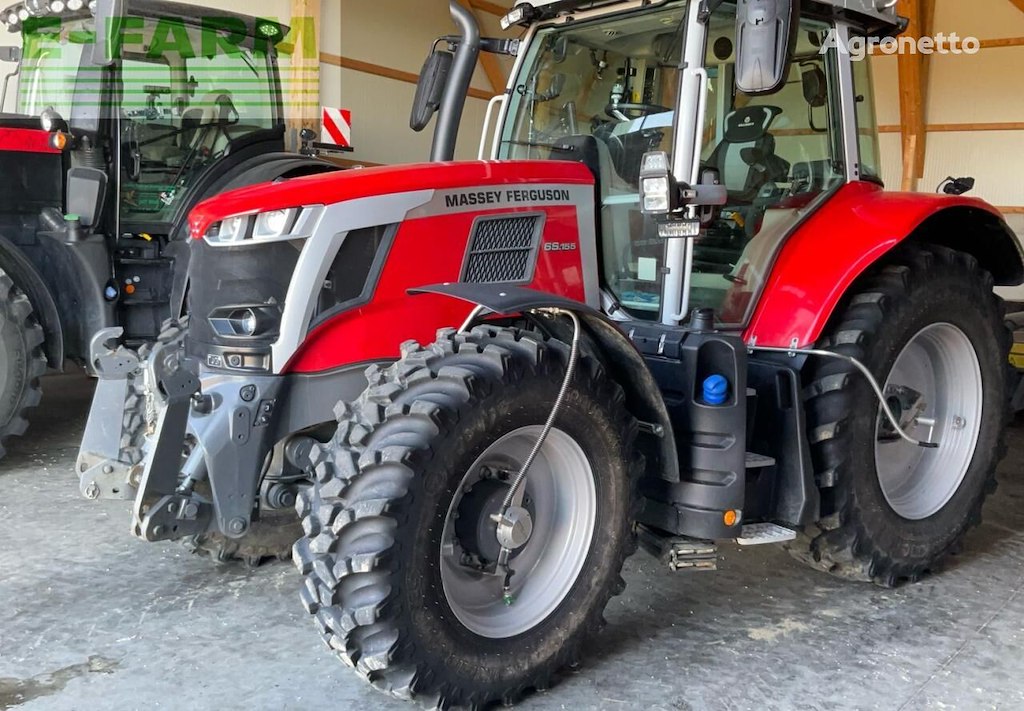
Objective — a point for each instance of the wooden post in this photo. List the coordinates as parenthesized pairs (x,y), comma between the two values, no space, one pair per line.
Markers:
(302,93)
(911,99)
(927,30)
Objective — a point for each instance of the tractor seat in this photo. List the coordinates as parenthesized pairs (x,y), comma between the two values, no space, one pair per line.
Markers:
(746,157)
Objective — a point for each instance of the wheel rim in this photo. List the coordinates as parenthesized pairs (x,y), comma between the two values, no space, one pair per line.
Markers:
(563,495)
(935,390)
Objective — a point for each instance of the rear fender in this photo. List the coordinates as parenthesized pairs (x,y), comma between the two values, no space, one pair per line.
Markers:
(607,343)
(25,276)
(853,230)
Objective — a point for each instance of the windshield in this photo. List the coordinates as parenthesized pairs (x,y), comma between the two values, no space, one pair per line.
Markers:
(186,97)
(52,55)
(608,87)
(605,92)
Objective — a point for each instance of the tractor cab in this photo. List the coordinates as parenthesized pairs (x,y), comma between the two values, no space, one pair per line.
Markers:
(118,117)
(167,95)
(609,88)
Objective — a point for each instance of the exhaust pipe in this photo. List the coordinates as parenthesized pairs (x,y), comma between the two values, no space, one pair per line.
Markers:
(454,101)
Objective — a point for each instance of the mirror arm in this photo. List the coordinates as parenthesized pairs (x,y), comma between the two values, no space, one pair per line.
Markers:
(7,79)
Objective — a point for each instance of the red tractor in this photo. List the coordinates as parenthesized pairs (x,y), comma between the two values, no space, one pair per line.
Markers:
(676,307)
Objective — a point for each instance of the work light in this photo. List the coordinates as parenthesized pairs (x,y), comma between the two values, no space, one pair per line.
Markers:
(658,193)
(519,15)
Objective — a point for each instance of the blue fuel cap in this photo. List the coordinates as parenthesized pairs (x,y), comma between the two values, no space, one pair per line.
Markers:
(716,389)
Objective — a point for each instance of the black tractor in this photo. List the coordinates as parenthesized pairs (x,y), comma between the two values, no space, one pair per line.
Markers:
(118,117)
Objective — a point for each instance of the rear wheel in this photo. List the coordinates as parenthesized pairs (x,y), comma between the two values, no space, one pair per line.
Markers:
(400,549)
(929,327)
(22,361)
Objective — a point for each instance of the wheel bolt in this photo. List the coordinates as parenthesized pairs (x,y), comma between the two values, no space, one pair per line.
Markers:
(959,423)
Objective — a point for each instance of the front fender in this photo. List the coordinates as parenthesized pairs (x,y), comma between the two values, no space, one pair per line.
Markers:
(615,351)
(853,230)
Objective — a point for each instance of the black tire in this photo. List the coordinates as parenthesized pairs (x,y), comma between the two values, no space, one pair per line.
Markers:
(373,520)
(270,537)
(22,361)
(860,536)
(135,421)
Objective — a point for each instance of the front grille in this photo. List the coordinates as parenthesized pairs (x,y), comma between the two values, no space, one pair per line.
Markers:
(502,249)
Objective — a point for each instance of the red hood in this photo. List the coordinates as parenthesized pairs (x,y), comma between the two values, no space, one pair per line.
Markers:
(26,140)
(330,188)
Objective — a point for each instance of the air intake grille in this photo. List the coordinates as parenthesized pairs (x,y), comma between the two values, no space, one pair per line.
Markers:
(502,249)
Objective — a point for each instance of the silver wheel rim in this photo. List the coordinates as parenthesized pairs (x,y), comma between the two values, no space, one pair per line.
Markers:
(940,368)
(561,486)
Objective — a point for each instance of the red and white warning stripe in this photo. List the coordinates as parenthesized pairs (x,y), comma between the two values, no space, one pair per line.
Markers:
(336,127)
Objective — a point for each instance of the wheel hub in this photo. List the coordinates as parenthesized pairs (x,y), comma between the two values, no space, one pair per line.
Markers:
(550,532)
(477,529)
(936,392)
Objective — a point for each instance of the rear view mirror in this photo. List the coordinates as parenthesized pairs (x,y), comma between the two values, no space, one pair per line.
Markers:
(430,89)
(815,87)
(10,54)
(764,43)
(86,191)
(109,14)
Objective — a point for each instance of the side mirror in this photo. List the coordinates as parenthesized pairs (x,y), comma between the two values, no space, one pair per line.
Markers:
(764,44)
(87,189)
(10,54)
(815,87)
(109,14)
(430,89)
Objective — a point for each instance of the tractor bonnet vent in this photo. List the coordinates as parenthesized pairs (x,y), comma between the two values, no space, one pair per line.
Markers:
(502,249)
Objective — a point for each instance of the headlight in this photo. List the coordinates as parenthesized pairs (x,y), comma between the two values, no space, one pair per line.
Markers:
(274,223)
(233,229)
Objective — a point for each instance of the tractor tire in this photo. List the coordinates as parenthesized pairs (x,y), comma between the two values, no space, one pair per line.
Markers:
(137,417)
(22,361)
(270,537)
(397,539)
(928,326)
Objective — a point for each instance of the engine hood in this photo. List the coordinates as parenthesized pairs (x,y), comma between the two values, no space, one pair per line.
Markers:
(331,188)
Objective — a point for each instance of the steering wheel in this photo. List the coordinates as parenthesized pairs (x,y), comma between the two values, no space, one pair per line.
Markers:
(622,111)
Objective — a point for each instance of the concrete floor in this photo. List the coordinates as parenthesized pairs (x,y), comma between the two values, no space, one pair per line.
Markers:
(90,618)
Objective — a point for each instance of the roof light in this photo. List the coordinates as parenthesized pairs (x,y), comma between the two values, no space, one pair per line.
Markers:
(57,7)
(519,15)
(75,5)
(92,6)
(13,20)
(22,14)
(270,30)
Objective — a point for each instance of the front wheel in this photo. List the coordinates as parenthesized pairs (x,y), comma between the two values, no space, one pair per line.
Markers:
(400,550)
(929,327)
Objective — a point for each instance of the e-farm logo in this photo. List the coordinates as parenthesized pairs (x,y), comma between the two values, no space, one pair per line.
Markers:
(858,48)
(167,57)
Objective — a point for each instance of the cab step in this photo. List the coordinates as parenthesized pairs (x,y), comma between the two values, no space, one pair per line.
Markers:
(759,534)
(679,553)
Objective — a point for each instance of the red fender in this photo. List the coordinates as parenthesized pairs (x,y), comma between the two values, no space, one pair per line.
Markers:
(26,140)
(848,234)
